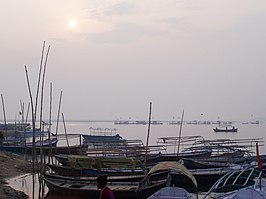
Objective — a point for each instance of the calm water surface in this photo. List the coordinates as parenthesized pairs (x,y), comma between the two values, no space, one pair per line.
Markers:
(25,183)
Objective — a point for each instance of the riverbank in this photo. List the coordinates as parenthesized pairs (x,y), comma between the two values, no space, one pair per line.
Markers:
(12,165)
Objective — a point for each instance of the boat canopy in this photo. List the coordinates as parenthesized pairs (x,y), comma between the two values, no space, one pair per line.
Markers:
(173,166)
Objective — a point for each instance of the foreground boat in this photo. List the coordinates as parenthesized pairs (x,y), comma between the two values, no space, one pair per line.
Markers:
(172,193)
(245,180)
(156,179)
(88,188)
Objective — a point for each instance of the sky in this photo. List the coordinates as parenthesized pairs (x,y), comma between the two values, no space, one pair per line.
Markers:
(111,58)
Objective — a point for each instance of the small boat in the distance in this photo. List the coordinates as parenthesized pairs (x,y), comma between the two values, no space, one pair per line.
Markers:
(226,129)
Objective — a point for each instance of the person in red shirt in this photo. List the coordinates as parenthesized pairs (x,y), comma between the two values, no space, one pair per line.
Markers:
(106,192)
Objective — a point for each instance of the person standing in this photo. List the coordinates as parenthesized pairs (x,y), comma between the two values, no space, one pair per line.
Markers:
(106,192)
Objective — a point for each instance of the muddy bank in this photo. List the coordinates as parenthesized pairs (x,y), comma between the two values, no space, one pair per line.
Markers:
(12,165)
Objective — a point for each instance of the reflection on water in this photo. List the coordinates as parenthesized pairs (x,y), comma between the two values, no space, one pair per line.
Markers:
(29,184)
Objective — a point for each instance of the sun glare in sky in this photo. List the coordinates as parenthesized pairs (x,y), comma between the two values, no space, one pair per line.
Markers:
(72,23)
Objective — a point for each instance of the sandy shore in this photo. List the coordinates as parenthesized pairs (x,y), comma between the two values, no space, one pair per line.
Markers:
(12,165)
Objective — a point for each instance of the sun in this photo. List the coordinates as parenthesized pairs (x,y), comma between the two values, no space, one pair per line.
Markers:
(72,23)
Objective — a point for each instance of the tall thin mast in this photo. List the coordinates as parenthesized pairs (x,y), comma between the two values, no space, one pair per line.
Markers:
(148,136)
(180,130)
(4,112)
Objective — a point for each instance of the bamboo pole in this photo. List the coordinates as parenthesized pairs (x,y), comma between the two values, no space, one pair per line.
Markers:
(4,112)
(33,120)
(180,130)
(21,125)
(58,115)
(66,132)
(148,135)
(41,108)
(27,114)
(50,120)
(38,83)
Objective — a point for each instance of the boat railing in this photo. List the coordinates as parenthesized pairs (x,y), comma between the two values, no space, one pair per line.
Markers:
(102,131)
(235,179)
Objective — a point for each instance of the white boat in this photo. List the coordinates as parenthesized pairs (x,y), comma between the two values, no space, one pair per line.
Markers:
(172,193)
(245,183)
(258,191)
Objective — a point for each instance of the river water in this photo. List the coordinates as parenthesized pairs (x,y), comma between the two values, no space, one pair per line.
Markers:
(245,131)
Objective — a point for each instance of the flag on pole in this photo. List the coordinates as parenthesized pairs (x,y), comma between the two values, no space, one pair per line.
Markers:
(258,157)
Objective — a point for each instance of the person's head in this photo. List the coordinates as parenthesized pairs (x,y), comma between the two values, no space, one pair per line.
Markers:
(101,181)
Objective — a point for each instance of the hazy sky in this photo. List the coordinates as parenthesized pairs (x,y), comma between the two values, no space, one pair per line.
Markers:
(207,57)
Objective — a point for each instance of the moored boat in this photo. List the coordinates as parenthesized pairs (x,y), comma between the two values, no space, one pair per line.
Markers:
(225,129)
(26,148)
(129,190)
(55,150)
(237,182)
(81,172)
(84,161)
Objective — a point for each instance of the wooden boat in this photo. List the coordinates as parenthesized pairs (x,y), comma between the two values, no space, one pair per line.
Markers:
(226,158)
(115,176)
(187,152)
(205,177)
(111,177)
(155,180)
(55,150)
(101,138)
(101,135)
(129,190)
(47,148)
(84,161)
(153,159)
(81,172)
(26,148)
(225,129)
(203,163)
(228,150)
(44,143)
(29,133)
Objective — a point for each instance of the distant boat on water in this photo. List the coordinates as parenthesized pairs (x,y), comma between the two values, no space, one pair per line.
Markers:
(226,129)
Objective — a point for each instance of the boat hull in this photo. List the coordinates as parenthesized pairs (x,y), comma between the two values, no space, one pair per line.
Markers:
(89,189)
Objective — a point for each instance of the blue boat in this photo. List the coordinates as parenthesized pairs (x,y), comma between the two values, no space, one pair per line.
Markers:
(26,148)
(101,138)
